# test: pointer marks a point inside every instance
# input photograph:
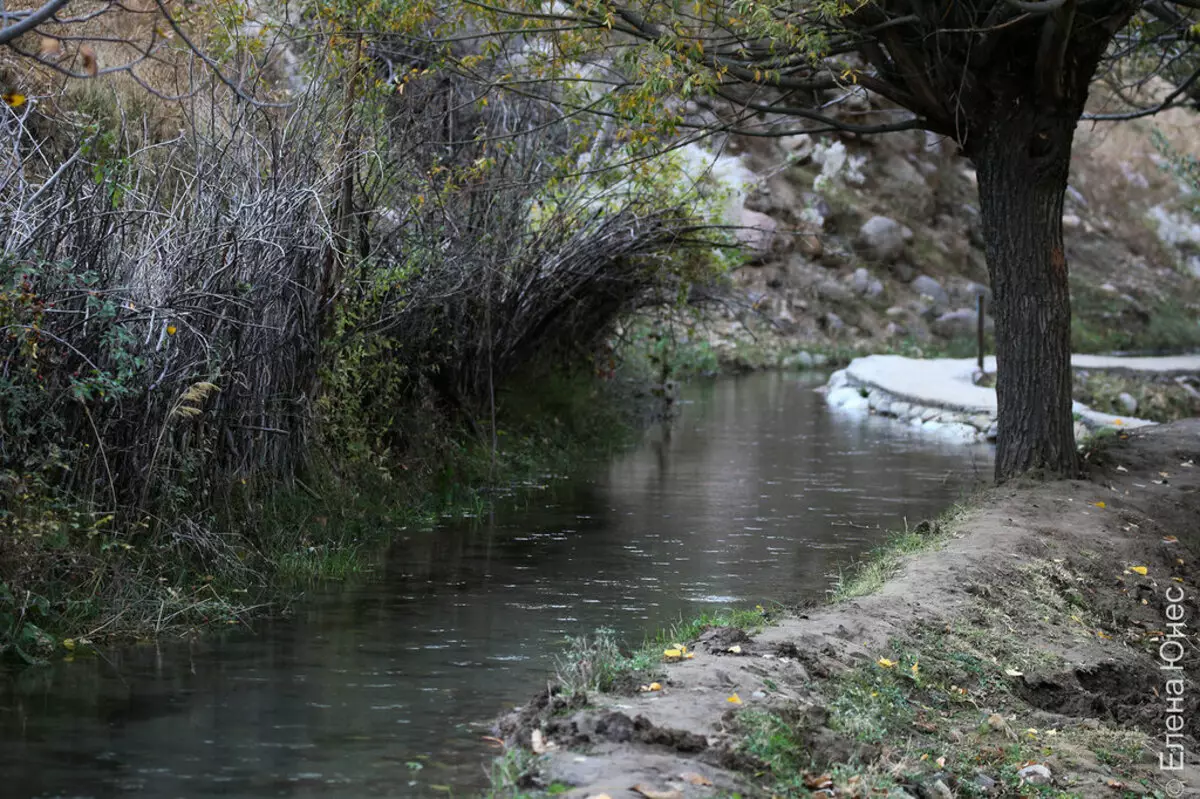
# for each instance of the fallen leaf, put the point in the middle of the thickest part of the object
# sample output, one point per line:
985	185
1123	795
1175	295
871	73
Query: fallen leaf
1116	785
695	779
540	745
1014	673
1101	505
916	667
1170	539
735	699
887	664
13	99
689	655
651	793
50	48
1122	469
1138	570
735	649
493	740
817	782
69	643
672	654
87	57
652	687
941	762
600	796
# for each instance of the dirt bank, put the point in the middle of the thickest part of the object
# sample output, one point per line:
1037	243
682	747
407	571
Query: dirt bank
1020	653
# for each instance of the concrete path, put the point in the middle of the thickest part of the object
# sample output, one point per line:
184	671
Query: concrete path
948	383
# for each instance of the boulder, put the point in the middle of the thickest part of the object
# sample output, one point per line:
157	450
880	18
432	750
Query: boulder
1128	403
756	232
861	280
960	323
928	287
883	239
798	148
902	183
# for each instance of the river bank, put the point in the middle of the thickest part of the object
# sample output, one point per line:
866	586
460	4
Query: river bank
1020	653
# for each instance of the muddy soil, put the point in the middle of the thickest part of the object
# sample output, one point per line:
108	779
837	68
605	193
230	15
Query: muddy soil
1032	630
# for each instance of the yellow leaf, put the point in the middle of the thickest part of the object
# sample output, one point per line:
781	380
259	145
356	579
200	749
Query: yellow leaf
735	699
696	779
887	664
1138	570
735	649
69	643
672	654
1101	505
916	667
689	655
652	687
1170	539
172	330
13	99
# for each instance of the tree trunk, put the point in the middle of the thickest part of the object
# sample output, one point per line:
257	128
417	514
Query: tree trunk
1022	164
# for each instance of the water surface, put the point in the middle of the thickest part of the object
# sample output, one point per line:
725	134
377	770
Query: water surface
757	493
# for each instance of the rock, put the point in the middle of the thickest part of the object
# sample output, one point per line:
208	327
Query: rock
820	359
833	291
984	783
903	183
832	322
1036	774
893	330
928	287
1127	402
883	239
757	232
861	280
975	290
799	148
799	360
1071	221
810	246
960	323
874	289
846	397
834	257
937	790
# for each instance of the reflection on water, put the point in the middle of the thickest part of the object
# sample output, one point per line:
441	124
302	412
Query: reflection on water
755	494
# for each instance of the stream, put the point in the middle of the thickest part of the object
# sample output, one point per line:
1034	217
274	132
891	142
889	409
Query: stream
757	493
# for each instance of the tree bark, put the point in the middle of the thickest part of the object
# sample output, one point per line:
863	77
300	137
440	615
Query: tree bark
1022	164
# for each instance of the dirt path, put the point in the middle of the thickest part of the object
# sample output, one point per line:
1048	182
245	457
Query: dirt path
1018	655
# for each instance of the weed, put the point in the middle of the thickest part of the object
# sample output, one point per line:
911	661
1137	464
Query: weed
512	774
596	663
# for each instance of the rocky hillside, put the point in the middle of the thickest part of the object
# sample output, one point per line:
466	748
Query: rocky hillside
875	243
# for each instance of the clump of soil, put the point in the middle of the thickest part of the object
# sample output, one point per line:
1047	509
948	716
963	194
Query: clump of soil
1021	657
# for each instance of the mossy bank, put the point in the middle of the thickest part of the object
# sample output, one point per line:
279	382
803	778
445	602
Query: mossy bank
1017	650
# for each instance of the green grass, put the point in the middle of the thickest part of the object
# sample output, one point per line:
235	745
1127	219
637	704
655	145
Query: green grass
869	575
598	662
1104	322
